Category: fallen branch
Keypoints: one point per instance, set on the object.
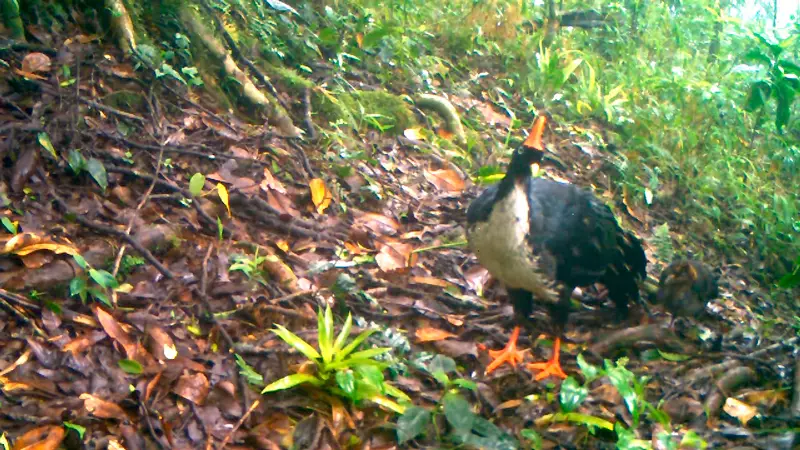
(625, 338)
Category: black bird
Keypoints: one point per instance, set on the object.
(542, 239)
(685, 287)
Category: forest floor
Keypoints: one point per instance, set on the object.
(377, 236)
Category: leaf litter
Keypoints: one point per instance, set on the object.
(182, 355)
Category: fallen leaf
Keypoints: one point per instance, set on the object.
(445, 179)
(162, 346)
(430, 281)
(378, 224)
(740, 410)
(428, 334)
(509, 404)
(414, 134)
(270, 182)
(445, 134)
(115, 331)
(36, 62)
(395, 256)
(476, 277)
(319, 195)
(193, 388)
(491, 116)
(456, 349)
(282, 203)
(48, 437)
(101, 408)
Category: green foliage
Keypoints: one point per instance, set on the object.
(93, 283)
(248, 265)
(780, 82)
(340, 369)
(78, 164)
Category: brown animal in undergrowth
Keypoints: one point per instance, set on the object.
(685, 287)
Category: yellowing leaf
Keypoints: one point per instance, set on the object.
(222, 191)
(428, 334)
(740, 410)
(319, 194)
(44, 141)
(445, 179)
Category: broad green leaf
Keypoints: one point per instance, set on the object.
(627, 440)
(757, 55)
(290, 382)
(674, 357)
(658, 415)
(353, 344)
(572, 394)
(692, 439)
(583, 419)
(130, 366)
(10, 226)
(44, 141)
(77, 287)
(412, 423)
(222, 191)
(103, 278)
(78, 429)
(343, 334)
(590, 372)
(442, 363)
(76, 161)
(354, 362)
(371, 375)
(347, 381)
(458, 413)
(374, 37)
(296, 342)
(80, 261)
(98, 172)
(328, 36)
(785, 97)
(759, 93)
(570, 69)
(533, 438)
(280, 6)
(790, 280)
(248, 372)
(196, 184)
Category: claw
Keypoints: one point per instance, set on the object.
(551, 367)
(509, 354)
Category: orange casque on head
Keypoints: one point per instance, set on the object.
(534, 139)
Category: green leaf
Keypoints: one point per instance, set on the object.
(785, 97)
(590, 372)
(78, 429)
(572, 394)
(626, 439)
(103, 278)
(325, 333)
(369, 353)
(458, 413)
(658, 415)
(583, 419)
(394, 392)
(76, 161)
(374, 37)
(44, 141)
(80, 261)
(354, 362)
(248, 372)
(279, 6)
(533, 438)
(10, 226)
(466, 384)
(100, 296)
(759, 56)
(347, 381)
(790, 280)
(412, 423)
(674, 357)
(196, 184)
(371, 375)
(98, 171)
(759, 93)
(290, 382)
(353, 344)
(442, 363)
(296, 342)
(567, 72)
(692, 439)
(343, 334)
(388, 403)
(77, 287)
(328, 37)
(130, 366)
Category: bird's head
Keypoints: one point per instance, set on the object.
(677, 282)
(531, 151)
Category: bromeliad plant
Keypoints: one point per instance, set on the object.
(337, 368)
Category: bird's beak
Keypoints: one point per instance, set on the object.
(534, 139)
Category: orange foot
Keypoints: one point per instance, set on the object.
(509, 354)
(552, 367)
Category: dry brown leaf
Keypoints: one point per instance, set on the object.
(319, 195)
(193, 388)
(270, 182)
(476, 277)
(445, 134)
(508, 404)
(48, 437)
(430, 281)
(101, 408)
(282, 203)
(445, 180)
(36, 260)
(428, 334)
(740, 410)
(23, 358)
(395, 256)
(115, 331)
(161, 344)
(378, 224)
(29, 75)
(36, 62)
(491, 116)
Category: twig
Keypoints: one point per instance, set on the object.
(303, 158)
(108, 230)
(310, 128)
(22, 317)
(239, 424)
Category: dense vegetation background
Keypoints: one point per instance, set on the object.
(681, 114)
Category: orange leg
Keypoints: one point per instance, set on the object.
(509, 354)
(552, 367)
